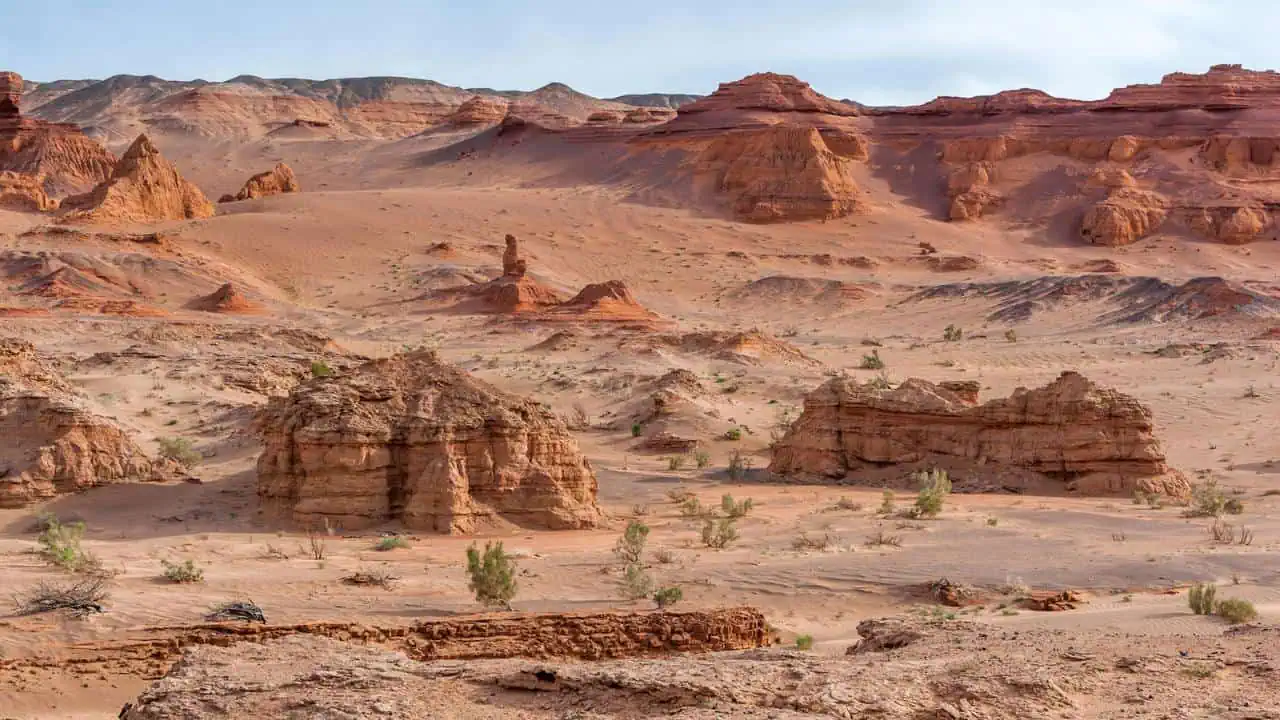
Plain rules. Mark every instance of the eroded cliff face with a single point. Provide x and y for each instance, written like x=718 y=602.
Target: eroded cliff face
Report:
x=414 y=440
x=1093 y=439
x=56 y=155
x=143 y=187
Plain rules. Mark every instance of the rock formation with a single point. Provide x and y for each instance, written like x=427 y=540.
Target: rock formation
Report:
x=770 y=92
x=59 y=154
x=967 y=186
x=23 y=193
x=275 y=181
x=513 y=264
x=226 y=299
x=1126 y=216
x=781 y=173
x=479 y=110
x=610 y=301
x=49 y=444
x=414 y=440
x=144 y=187
x=1231 y=225
x=1093 y=439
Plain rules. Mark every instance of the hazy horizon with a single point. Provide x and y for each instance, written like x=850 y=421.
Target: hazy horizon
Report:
x=881 y=53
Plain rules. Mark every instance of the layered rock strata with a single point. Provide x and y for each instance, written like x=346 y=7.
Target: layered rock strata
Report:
x=143 y=187
x=414 y=440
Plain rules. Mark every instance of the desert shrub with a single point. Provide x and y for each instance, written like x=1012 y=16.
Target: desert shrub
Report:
x=183 y=572
x=882 y=538
x=934 y=488
x=735 y=509
x=1235 y=610
x=316 y=542
x=675 y=463
x=739 y=465
x=805 y=541
x=578 y=418
x=691 y=508
x=180 y=451
x=320 y=369
x=491 y=575
x=664 y=556
x=847 y=503
x=636 y=583
x=630 y=547
x=391 y=542
x=80 y=597
x=804 y=642
x=952 y=333
x=702 y=459
x=1011 y=335
x=719 y=533
x=376 y=578
x=1201 y=598
x=1208 y=500
x=636 y=429
x=872 y=361
x=667 y=596
x=733 y=434
x=888 y=503
x=60 y=545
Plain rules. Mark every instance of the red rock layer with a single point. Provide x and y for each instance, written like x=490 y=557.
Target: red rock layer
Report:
x=610 y=301
x=768 y=91
x=479 y=110
x=144 y=187
x=23 y=193
x=60 y=154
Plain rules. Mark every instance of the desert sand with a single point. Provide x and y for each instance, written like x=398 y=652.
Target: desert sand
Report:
x=186 y=327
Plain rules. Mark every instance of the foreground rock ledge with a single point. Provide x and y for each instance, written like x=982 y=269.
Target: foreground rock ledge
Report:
x=1093 y=440
x=415 y=440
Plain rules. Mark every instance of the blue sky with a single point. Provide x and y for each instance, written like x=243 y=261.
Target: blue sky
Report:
x=874 y=51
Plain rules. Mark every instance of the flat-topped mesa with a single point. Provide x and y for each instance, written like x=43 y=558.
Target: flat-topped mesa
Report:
x=415 y=440
x=479 y=110
x=144 y=187
x=10 y=94
x=276 y=181
x=770 y=92
x=1095 y=440
x=1025 y=100
x=1224 y=87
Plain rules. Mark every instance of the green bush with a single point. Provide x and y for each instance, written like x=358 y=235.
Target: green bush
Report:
x=804 y=642
x=739 y=465
x=1201 y=598
x=180 y=451
x=391 y=542
x=702 y=459
x=735 y=509
x=667 y=596
x=491 y=575
x=320 y=369
x=872 y=361
x=184 y=572
x=675 y=463
x=691 y=508
x=1208 y=500
x=888 y=503
x=636 y=583
x=934 y=488
x=733 y=434
x=636 y=429
x=719 y=533
x=1236 y=611
x=60 y=545
x=630 y=547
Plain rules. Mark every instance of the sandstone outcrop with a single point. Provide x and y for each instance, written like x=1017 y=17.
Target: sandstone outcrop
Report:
x=275 y=181
x=967 y=186
x=479 y=110
x=1093 y=439
x=770 y=92
x=144 y=187
x=226 y=299
x=414 y=440
x=1126 y=216
x=51 y=445
x=779 y=174
x=23 y=193
x=512 y=292
x=610 y=301
x=1231 y=225
x=58 y=153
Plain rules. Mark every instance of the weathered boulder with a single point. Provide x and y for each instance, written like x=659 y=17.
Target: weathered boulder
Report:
x=1126 y=216
x=780 y=174
x=1231 y=225
x=23 y=193
x=415 y=440
x=1094 y=439
x=144 y=187
x=275 y=181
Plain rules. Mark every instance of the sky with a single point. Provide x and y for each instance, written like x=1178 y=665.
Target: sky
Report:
x=879 y=52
